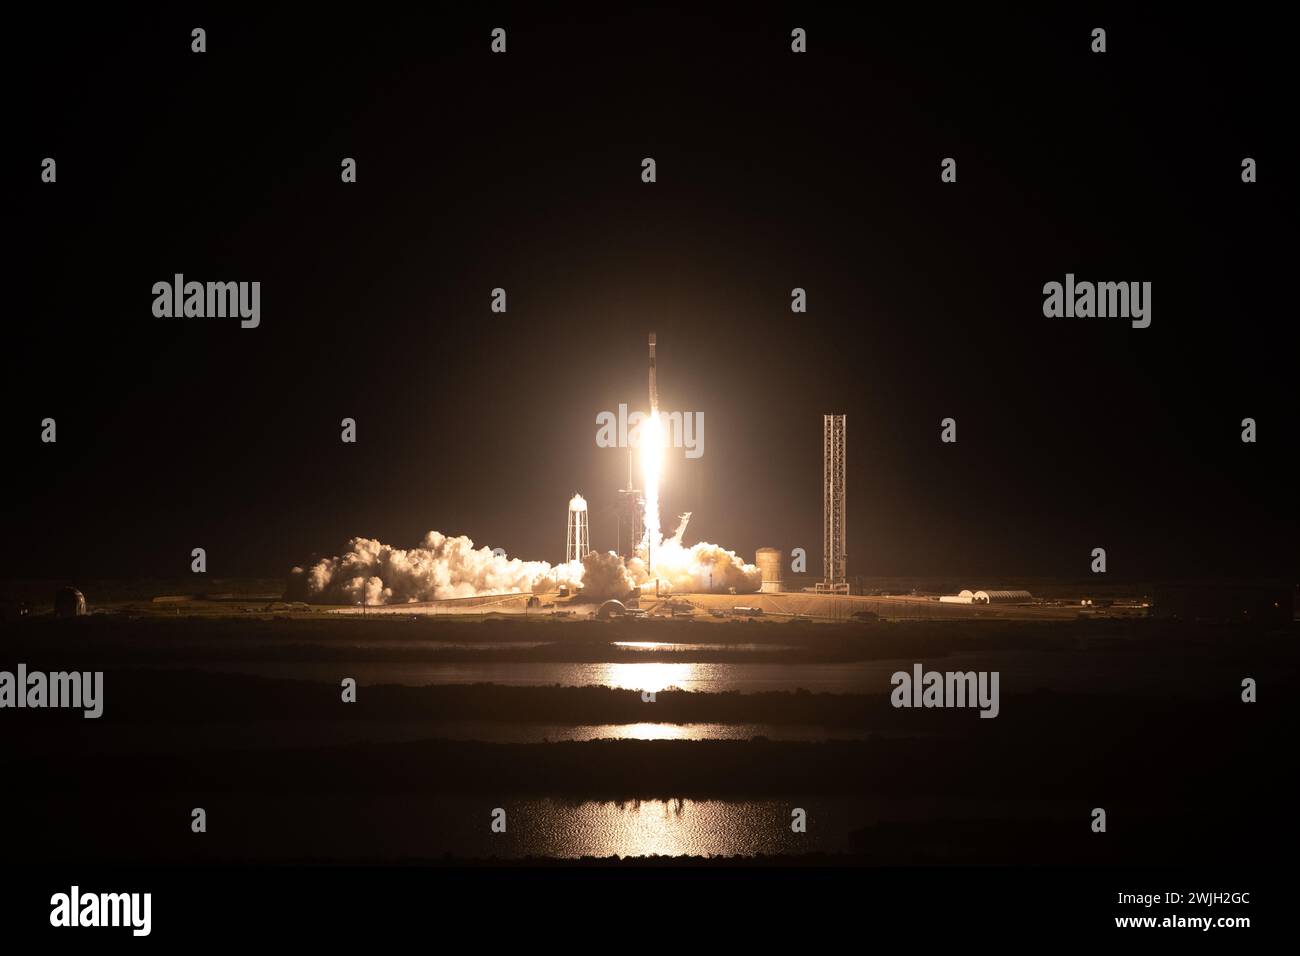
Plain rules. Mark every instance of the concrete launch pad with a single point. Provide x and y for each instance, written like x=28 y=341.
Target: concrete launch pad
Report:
x=723 y=607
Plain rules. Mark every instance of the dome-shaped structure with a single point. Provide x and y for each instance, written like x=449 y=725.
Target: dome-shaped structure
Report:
x=611 y=608
x=69 y=602
x=1003 y=597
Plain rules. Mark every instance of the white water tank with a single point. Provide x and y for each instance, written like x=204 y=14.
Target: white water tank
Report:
x=578 y=538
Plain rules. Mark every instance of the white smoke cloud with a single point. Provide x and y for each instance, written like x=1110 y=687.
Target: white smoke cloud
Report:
x=443 y=567
x=604 y=576
x=699 y=568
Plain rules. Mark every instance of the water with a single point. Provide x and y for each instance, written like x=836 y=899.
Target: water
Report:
x=107 y=737
x=412 y=827
x=668 y=828
x=650 y=676
x=1021 y=672
x=687 y=648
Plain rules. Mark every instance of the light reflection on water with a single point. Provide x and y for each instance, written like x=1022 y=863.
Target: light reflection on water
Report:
x=651 y=731
x=417 y=827
x=289 y=733
x=713 y=677
x=413 y=827
x=1020 y=671
x=670 y=828
x=667 y=646
x=648 y=677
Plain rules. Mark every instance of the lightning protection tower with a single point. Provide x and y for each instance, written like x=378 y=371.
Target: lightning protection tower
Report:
x=834 y=559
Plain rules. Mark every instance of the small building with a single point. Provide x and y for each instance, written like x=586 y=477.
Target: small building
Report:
x=1002 y=597
x=611 y=608
x=69 y=602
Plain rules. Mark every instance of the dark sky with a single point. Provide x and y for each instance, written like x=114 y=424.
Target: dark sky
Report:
x=775 y=170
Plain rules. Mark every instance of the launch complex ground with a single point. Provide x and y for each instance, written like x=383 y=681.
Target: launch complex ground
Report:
x=778 y=607
x=263 y=598
x=910 y=599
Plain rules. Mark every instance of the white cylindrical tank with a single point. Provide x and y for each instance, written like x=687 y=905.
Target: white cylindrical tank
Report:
x=772 y=566
x=578 y=538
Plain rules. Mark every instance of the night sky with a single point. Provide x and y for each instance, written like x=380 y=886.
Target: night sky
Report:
x=775 y=170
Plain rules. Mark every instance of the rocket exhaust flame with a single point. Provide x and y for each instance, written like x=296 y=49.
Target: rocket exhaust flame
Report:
x=652 y=451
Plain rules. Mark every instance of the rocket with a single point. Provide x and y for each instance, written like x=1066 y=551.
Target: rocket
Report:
x=654 y=388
